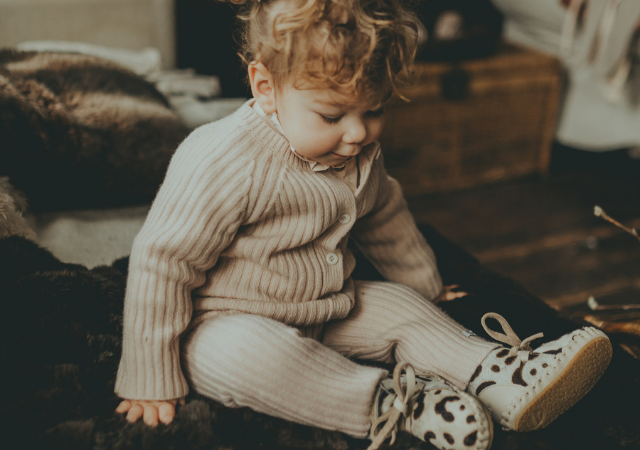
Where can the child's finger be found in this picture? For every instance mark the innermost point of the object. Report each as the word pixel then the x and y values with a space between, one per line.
pixel 124 406
pixel 450 293
pixel 456 294
pixel 135 412
pixel 167 412
pixel 151 415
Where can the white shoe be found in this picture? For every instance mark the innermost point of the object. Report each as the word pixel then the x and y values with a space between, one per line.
pixel 526 390
pixel 430 409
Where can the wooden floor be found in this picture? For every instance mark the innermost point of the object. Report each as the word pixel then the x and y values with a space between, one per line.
pixel 542 231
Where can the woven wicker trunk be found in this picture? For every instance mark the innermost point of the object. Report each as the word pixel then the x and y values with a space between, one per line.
pixel 472 123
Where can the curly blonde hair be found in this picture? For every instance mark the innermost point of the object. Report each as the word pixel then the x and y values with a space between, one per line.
pixel 365 47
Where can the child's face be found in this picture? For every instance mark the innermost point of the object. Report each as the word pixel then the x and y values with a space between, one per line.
pixel 324 125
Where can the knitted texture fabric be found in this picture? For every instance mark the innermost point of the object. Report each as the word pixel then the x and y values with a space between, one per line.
pixel 241 224
pixel 308 375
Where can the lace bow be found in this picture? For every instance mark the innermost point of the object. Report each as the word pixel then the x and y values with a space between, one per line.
pixel 509 336
pixel 400 407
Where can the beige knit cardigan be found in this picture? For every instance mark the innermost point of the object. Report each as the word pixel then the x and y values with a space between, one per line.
pixel 242 224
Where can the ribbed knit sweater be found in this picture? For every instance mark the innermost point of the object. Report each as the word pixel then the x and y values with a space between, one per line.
pixel 243 225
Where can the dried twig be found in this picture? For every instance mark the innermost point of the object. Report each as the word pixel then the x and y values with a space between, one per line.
pixel 594 305
pixel 600 213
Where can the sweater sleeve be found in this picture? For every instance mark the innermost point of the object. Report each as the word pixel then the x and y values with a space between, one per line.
pixel 195 215
pixel 389 238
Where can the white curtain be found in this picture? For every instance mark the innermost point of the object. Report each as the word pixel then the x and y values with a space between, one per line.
pixel 601 105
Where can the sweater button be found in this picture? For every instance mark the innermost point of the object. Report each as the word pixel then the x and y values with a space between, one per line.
pixel 345 218
pixel 332 258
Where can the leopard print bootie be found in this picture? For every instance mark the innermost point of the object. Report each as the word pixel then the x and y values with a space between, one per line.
pixel 526 390
pixel 432 410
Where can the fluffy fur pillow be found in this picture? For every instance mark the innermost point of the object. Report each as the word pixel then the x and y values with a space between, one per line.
pixel 12 207
pixel 81 132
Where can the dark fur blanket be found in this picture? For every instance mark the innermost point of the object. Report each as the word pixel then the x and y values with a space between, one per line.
pixel 81 132
pixel 61 345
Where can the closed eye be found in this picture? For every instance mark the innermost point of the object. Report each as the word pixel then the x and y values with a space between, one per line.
pixel 331 120
pixel 376 112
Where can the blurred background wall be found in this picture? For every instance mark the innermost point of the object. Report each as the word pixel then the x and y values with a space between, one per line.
pixel 130 24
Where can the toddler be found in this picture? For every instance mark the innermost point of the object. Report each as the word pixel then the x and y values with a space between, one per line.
pixel 239 281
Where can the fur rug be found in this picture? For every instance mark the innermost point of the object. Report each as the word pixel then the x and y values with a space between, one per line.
pixel 81 132
pixel 61 332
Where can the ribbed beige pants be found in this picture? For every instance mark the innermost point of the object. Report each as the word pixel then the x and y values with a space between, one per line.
pixel 306 376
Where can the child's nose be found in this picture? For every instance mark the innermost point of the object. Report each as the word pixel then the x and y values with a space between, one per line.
pixel 356 132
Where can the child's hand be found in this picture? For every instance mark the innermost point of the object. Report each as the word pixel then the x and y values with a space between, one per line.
pixel 150 410
pixel 449 293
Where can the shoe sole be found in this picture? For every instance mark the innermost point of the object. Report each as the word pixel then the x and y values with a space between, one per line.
pixel 583 371
pixel 482 411
pixel 489 419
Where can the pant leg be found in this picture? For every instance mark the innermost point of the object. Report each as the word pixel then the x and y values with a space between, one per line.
pixel 246 360
pixel 392 323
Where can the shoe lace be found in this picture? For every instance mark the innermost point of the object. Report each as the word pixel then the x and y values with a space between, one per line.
pixel 509 337
pixel 400 406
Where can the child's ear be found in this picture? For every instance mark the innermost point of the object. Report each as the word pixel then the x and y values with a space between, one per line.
pixel 262 87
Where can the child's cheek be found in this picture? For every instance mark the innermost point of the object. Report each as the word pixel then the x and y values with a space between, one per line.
pixel 375 130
